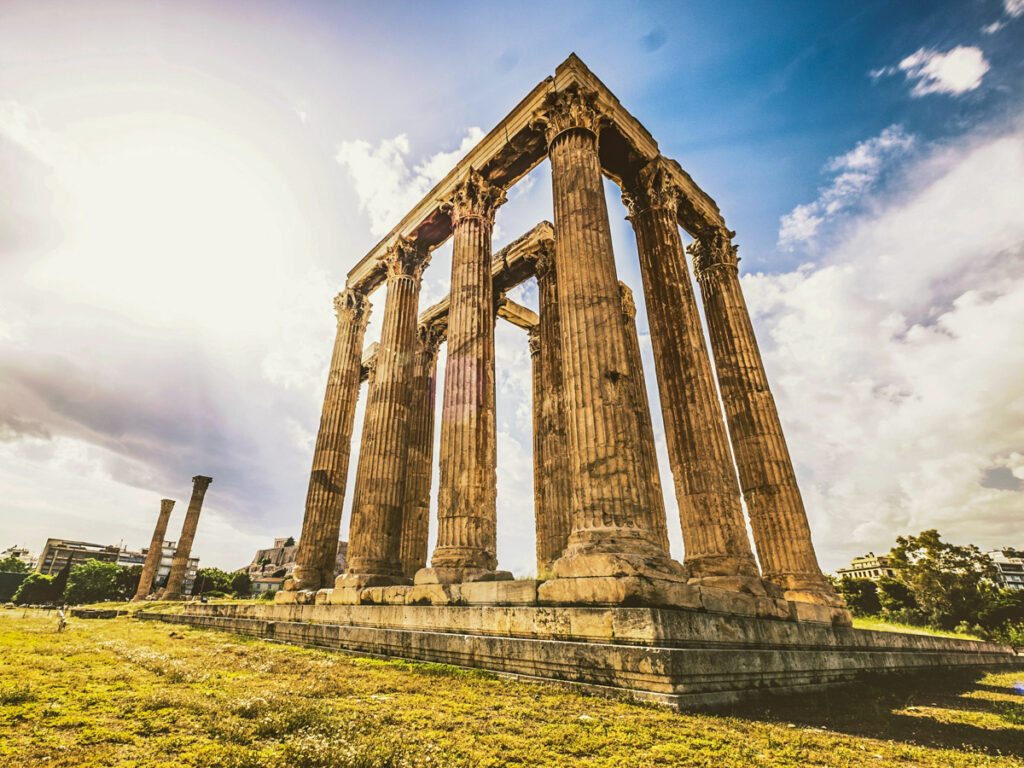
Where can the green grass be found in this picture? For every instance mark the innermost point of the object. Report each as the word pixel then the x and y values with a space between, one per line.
pixel 888 626
pixel 129 693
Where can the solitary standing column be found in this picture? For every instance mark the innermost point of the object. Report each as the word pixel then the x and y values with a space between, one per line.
pixel 642 406
pixel 714 533
pixel 466 516
pixel 374 556
pixel 176 578
pixel 611 534
pixel 416 521
pixel 321 526
pixel 553 498
pixel 156 550
pixel 777 515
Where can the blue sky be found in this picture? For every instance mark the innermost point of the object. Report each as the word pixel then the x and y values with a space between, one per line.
pixel 186 185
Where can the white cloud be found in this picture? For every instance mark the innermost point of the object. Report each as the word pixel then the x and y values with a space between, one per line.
pixel 386 185
pixel 995 26
pixel 897 360
pixel 1013 8
pixel 954 72
pixel 853 174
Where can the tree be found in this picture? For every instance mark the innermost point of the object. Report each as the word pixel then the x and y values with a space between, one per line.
pixel 290 542
pixel 949 583
pixel 13 565
pixel 128 577
pixel 92 582
pixel 861 596
pixel 215 580
pixel 36 588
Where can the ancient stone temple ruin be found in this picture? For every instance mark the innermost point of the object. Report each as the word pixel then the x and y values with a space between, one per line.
pixel 611 609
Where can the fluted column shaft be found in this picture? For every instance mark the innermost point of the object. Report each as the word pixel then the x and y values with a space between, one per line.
pixel 610 494
pixel 325 498
pixel 176 578
pixel 379 496
pixel 708 494
pixel 551 454
pixel 467 517
pixel 419 471
pixel 642 407
pixel 777 516
pixel 156 550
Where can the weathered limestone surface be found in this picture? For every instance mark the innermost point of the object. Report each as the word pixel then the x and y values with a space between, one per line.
pixel 321 525
pixel 777 515
pixel 416 520
pixel 379 496
pixel 176 578
pixel 682 658
pixel 156 550
pixel 610 533
pixel 550 447
pixel 642 406
pixel 467 519
pixel 714 533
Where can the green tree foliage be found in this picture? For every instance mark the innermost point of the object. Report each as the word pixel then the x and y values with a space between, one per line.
pixel 950 583
pixel 861 595
pixel 13 565
pixel 91 582
pixel 36 589
pixel 210 580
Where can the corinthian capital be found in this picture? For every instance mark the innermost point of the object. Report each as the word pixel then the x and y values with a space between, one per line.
pixel 406 258
pixel 351 306
pixel 713 250
pixel 565 110
pixel 475 197
pixel 628 305
pixel 653 187
pixel 533 339
pixel 431 336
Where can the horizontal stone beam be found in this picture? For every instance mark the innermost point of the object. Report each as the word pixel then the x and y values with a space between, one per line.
pixel 516 145
pixel 517 314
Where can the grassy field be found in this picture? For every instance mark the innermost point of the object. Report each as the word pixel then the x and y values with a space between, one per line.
pixel 128 693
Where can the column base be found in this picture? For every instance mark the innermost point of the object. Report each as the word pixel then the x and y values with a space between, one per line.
pixel 618 565
pixel 807 588
pixel 456 575
pixel 750 585
pixel 304 579
pixel 364 580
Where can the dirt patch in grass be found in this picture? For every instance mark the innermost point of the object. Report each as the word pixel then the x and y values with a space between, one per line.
pixel 127 693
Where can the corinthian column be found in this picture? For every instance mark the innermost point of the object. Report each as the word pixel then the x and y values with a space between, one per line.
pixel 374 547
pixel 714 534
pixel 553 498
pixel 416 521
pixel 156 550
pixel 777 516
pixel 642 407
pixel 176 578
pixel 321 526
pixel 466 517
pixel 611 533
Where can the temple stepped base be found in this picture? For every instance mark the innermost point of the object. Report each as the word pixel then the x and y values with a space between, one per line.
pixel 681 658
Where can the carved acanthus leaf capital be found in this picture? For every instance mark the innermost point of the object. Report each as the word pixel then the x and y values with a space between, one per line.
pixel 544 261
pixel 653 187
pixel 431 336
pixel 628 305
pixel 569 109
pixel 475 197
pixel 533 336
pixel 406 258
pixel 713 250
pixel 352 306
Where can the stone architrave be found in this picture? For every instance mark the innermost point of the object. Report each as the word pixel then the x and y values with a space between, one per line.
pixel 156 550
pixel 551 457
pixel 642 406
pixel 374 547
pixel 714 533
pixel 611 534
pixel 419 472
pixel 466 547
pixel 325 498
pixel 176 578
pixel 777 516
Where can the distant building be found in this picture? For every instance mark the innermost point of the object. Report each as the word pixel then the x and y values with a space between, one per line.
pixel 58 552
pixel 263 584
pixel 163 570
pixel 1010 564
pixel 278 562
pixel 869 566
pixel 19 553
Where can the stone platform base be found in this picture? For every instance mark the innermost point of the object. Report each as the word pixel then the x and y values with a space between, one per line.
pixel 682 658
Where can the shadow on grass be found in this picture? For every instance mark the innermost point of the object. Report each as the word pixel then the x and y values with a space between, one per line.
pixel 923 710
